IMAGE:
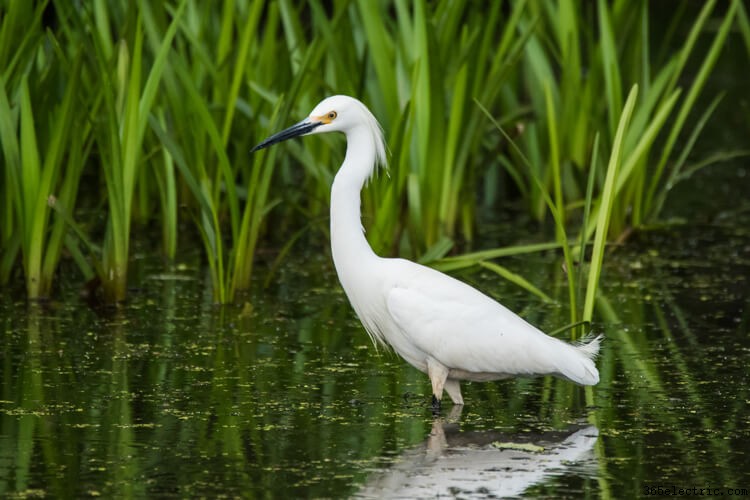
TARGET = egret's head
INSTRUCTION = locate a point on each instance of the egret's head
(337, 113)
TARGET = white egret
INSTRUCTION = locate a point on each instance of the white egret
(441, 326)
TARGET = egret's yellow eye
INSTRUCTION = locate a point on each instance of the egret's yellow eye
(328, 117)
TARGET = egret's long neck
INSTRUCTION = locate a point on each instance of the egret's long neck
(348, 243)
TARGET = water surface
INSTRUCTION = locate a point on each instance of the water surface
(283, 395)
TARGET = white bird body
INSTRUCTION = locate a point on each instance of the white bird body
(438, 324)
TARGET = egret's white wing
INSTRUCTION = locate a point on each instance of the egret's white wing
(465, 330)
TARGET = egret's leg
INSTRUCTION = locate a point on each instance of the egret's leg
(453, 388)
(437, 442)
(455, 414)
(438, 375)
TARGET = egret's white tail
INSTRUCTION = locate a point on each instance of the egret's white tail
(578, 365)
(590, 346)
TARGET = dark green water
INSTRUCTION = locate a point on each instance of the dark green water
(285, 397)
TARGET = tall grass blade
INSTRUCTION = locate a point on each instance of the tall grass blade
(515, 279)
(605, 206)
(473, 258)
(583, 237)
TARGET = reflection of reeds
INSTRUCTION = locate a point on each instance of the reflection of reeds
(155, 106)
(667, 392)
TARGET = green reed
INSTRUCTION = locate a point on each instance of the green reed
(43, 156)
(121, 143)
(441, 68)
(168, 98)
(228, 199)
(619, 57)
(557, 178)
(606, 203)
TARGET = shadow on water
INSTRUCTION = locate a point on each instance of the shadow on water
(284, 397)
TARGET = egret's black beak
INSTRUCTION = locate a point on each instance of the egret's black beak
(304, 127)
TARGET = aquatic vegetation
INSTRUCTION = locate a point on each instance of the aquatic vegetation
(42, 155)
(520, 100)
(120, 139)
